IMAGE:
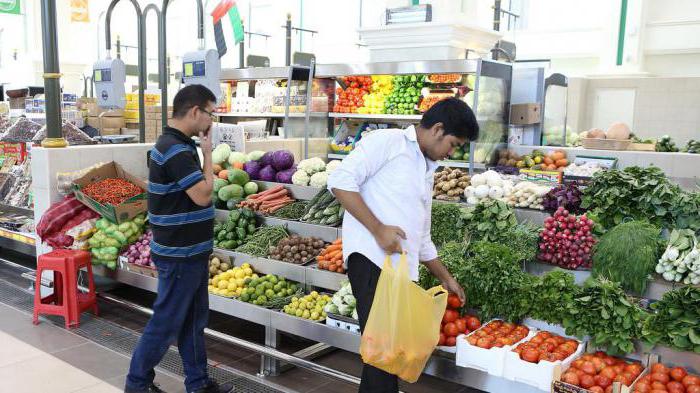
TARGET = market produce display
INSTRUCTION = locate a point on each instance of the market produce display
(405, 94)
(461, 153)
(374, 102)
(296, 249)
(566, 195)
(446, 223)
(342, 303)
(324, 209)
(268, 201)
(231, 186)
(331, 258)
(587, 169)
(270, 291)
(498, 334)
(662, 378)
(453, 324)
(293, 211)
(552, 297)
(627, 254)
(546, 346)
(597, 372)
(236, 230)
(217, 266)
(681, 259)
(230, 282)
(139, 253)
(314, 172)
(666, 144)
(567, 240)
(350, 99)
(692, 147)
(528, 195)
(106, 243)
(487, 185)
(112, 191)
(273, 166)
(258, 244)
(675, 320)
(488, 220)
(309, 307)
(539, 160)
(450, 184)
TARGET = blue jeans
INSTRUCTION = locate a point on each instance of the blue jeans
(180, 312)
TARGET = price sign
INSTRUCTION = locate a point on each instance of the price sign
(231, 134)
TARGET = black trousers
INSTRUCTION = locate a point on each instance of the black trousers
(364, 275)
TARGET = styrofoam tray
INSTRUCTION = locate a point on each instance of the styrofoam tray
(447, 349)
(492, 360)
(539, 375)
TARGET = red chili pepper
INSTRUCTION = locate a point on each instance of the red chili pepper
(112, 191)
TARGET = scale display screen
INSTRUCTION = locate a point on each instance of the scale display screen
(194, 68)
(104, 75)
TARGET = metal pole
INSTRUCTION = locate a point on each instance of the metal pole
(52, 75)
(497, 15)
(162, 82)
(162, 55)
(241, 49)
(288, 49)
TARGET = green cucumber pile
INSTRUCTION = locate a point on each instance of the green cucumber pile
(324, 209)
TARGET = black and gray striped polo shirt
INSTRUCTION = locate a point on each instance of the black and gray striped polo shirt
(182, 230)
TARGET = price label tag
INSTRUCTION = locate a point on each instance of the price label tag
(231, 134)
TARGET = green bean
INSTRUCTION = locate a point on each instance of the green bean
(260, 242)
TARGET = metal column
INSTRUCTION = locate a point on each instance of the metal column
(288, 35)
(52, 85)
(162, 82)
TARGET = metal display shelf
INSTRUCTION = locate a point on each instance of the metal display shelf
(460, 66)
(19, 210)
(9, 241)
(373, 116)
(254, 73)
(323, 232)
(300, 115)
(336, 156)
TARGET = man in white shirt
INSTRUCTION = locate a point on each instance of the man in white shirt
(385, 186)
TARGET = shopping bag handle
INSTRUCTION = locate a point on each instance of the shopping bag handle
(403, 263)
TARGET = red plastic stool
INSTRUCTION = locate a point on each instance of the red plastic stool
(66, 300)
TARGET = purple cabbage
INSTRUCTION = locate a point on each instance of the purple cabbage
(285, 176)
(253, 169)
(282, 159)
(267, 158)
(268, 173)
(566, 195)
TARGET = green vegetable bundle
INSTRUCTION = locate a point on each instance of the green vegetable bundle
(687, 212)
(259, 243)
(293, 211)
(642, 194)
(488, 220)
(446, 223)
(323, 209)
(452, 255)
(604, 312)
(628, 254)
(236, 230)
(553, 296)
(676, 320)
(523, 240)
(110, 238)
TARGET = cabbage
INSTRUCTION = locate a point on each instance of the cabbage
(253, 168)
(268, 173)
(354, 314)
(237, 156)
(345, 310)
(285, 176)
(349, 300)
(331, 308)
(220, 154)
(255, 155)
(282, 159)
(338, 301)
(266, 159)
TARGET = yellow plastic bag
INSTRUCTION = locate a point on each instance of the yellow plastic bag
(403, 327)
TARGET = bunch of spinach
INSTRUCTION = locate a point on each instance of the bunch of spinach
(452, 255)
(495, 283)
(614, 196)
(553, 296)
(687, 213)
(446, 223)
(522, 239)
(628, 254)
(488, 220)
(603, 311)
(676, 320)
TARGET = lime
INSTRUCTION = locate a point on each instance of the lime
(260, 290)
(262, 299)
(270, 293)
(315, 315)
(306, 314)
(290, 292)
(268, 285)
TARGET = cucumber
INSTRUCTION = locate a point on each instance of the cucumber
(331, 210)
(319, 214)
(324, 221)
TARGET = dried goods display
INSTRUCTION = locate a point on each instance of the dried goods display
(24, 130)
(112, 191)
(73, 135)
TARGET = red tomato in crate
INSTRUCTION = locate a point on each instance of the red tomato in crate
(450, 316)
(473, 323)
(441, 341)
(451, 341)
(453, 301)
(450, 330)
(461, 325)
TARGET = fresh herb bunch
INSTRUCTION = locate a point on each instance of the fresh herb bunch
(553, 296)
(494, 282)
(452, 255)
(676, 320)
(446, 223)
(566, 195)
(614, 196)
(628, 254)
(603, 311)
(522, 239)
(488, 220)
(687, 213)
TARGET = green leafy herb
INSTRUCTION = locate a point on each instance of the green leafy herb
(488, 220)
(628, 254)
(553, 296)
(687, 213)
(446, 223)
(452, 255)
(676, 320)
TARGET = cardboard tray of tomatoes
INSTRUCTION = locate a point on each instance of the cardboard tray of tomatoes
(659, 377)
(533, 362)
(598, 373)
(485, 348)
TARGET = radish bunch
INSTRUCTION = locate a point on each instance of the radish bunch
(567, 240)
(139, 252)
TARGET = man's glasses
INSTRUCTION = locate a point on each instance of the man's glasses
(212, 115)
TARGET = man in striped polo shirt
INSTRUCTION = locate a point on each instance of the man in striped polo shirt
(182, 216)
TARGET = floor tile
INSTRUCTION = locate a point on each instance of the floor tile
(101, 387)
(47, 337)
(12, 320)
(95, 360)
(166, 382)
(13, 350)
(44, 373)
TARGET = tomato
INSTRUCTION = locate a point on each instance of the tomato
(660, 377)
(546, 347)
(634, 368)
(485, 342)
(450, 316)
(608, 372)
(570, 378)
(453, 301)
(587, 381)
(530, 355)
(656, 385)
(609, 361)
(675, 386)
(441, 341)
(658, 391)
(548, 356)
(678, 373)
(461, 325)
(544, 335)
(690, 380)
(599, 364)
(537, 340)
(559, 340)
(473, 339)
(609, 389)
(588, 368)
(450, 329)
(692, 389)
(560, 355)
(602, 381)
(451, 341)
(577, 363)
(659, 368)
(642, 387)
(473, 323)
(596, 389)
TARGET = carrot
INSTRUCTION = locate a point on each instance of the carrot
(338, 241)
(275, 208)
(281, 202)
(333, 247)
(271, 190)
(335, 254)
(276, 195)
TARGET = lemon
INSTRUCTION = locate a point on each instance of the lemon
(299, 313)
(232, 286)
(215, 281)
(245, 265)
(305, 314)
(315, 315)
(223, 284)
(314, 294)
(240, 274)
(240, 282)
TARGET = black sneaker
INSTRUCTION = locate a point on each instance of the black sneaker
(214, 387)
(153, 388)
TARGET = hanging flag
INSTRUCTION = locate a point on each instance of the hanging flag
(79, 11)
(236, 23)
(10, 6)
(220, 10)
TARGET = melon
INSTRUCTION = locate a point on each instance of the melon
(596, 133)
(619, 131)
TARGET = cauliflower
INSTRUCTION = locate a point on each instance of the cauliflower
(301, 178)
(332, 165)
(319, 180)
(312, 165)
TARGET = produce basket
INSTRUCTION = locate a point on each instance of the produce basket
(444, 78)
(491, 361)
(606, 144)
(343, 322)
(559, 386)
(642, 146)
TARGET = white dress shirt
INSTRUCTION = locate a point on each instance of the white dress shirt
(395, 180)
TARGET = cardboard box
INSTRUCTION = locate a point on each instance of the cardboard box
(131, 105)
(131, 208)
(93, 109)
(523, 114)
(131, 124)
(131, 114)
(94, 122)
(158, 108)
(110, 131)
(110, 122)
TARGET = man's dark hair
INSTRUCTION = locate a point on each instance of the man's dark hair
(456, 117)
(189, 97)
